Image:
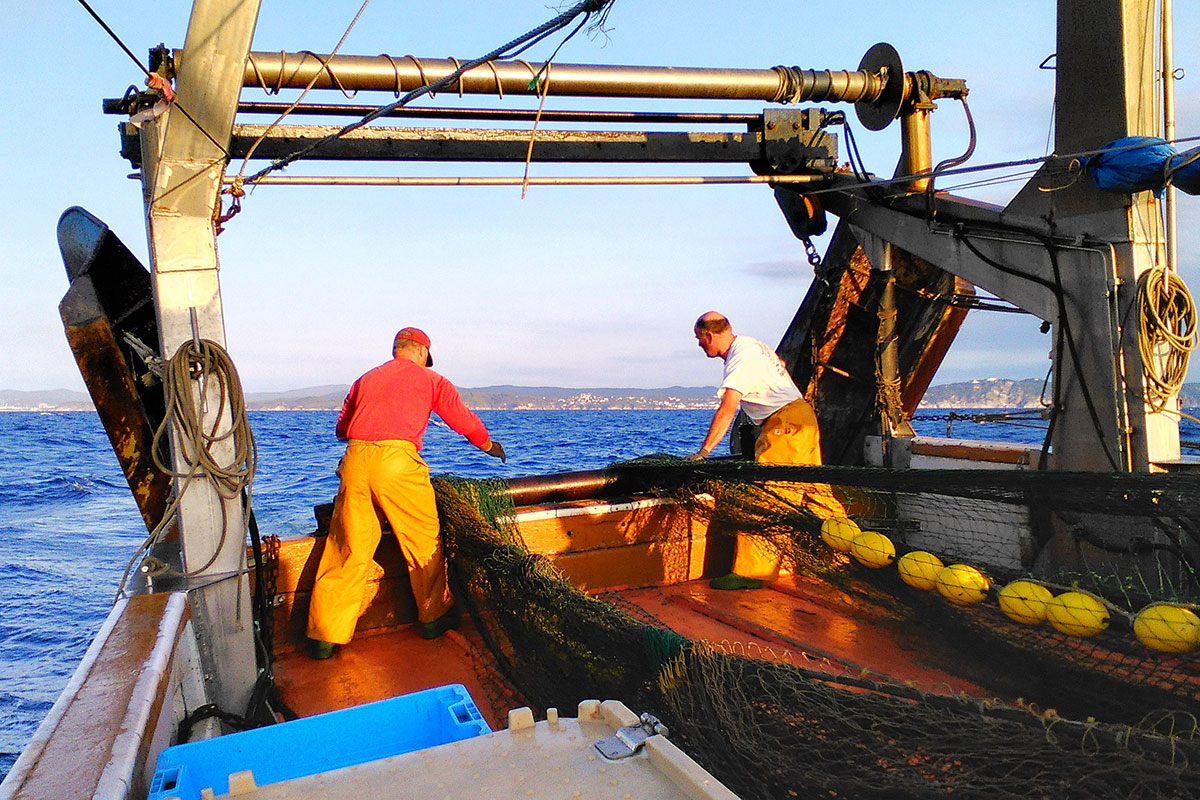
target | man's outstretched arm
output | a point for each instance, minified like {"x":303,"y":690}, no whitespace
{"x":721,"y":420}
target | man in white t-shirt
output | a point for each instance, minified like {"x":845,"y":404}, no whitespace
{"x":757,"y":381}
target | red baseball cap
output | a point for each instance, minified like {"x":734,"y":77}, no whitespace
{"x":414,"y":335}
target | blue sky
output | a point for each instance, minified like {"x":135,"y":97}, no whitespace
{"x":570,"y":286}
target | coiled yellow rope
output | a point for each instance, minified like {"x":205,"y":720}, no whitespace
{"x":1166,"y":334}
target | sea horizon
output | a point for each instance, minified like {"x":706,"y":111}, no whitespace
{"x":981,"y":393}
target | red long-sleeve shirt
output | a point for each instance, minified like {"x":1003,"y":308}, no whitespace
{"x":394,"y":400}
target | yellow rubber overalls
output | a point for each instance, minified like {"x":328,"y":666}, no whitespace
{"x":789,"y":436}
{"x":389,"y":476}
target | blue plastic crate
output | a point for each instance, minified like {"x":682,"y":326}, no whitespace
{"x":318,"y":744}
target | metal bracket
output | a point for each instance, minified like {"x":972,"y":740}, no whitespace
{"x":629,"y":739}
{"x":148,"y":356}
{"x":793,"y":140}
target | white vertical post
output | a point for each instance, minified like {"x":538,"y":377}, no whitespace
{"x":1167,"y":45}
{"x":182,"y":190}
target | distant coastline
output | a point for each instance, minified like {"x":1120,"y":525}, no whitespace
{"x":982,"y":393}
{"x":487,"y":398}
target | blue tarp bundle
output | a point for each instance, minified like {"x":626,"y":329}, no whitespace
{"x":1184,"y":170}
{"x":1132,"y":164}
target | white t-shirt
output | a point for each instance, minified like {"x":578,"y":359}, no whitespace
{"x":759,"y":374}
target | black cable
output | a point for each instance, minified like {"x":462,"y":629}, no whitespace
{"x":856,"y":161}
{"x":1190,"y":531}
{"x":261,"y":608}
{"x":1024,"y":162}
{"x":1064,"y":329}
{"x":975,"y":303}
{"x":954,"y":162}
{"x":931,"y":189}
{"x":207,"y":711}
{"x":1071,"y":347}
{"x":266,"y":698}
{"x":961,"y":235}
{"x":546,"y":35}
{"x":1177,"y":549}
{"x":112,"y":34}
{"x":1044,"y":455}
{"x":587,"y":7}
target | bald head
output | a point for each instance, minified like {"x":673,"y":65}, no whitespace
{"x":713,"y":322}
{"x":714,"y":334}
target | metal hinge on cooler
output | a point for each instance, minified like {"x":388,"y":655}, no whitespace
{"x":629,"y":739}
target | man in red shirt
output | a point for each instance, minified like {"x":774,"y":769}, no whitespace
{"x":383,"y":419}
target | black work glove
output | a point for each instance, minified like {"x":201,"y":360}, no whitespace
{"x":494,"y":449}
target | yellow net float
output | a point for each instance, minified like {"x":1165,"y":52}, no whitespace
{"x":962,"y":584}
{"x":1167,"y":627}
{"x":873,"y":549}
{"x":919,"y":569}
{"x":1077,"y":614}
{"x":1025,"y":601}
{"x":839,"y":533}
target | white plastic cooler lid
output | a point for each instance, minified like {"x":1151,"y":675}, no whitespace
{"x":555,"y":758}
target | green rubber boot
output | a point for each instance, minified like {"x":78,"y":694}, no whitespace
{"x":320,"y":650}
{"x":735,"y":581}
{"x":447,"y":621}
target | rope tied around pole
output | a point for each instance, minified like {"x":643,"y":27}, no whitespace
{"x":888,"y":394}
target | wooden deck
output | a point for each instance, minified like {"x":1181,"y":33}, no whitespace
{"x":653,"y":557}
{"x":390,"y":662}
{"x":806,"y":622}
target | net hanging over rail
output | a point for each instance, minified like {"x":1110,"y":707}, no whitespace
{"x":771,"y":725}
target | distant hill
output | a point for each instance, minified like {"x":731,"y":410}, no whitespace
{"x":486,"y":398}
{"x":50,"y":400}
{"x":314,"y":398}
{"x":508,"y":398}
{"x":986,"y":393}
{"x":496,"y":398}
{"x":1003,"y":393}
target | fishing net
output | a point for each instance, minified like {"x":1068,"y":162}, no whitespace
{"x":1074,"y":716}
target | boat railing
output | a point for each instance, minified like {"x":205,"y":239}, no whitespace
{"x":119,"y":709}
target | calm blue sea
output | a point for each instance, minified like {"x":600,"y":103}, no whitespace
{"x":68,"y":523}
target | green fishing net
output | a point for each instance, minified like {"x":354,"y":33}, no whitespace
{"x":1102,"y":716}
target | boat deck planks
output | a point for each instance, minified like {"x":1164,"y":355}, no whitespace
{"x":390,"y":662}
{"x":806,"y":622}
{"x":812,"y":624}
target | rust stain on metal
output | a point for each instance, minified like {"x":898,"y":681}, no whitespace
{"x":110,"y":385}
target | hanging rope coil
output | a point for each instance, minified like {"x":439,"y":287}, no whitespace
{"x":206,"y":362}
{"x":202,"y":433}
{"x":1166,"y":334}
